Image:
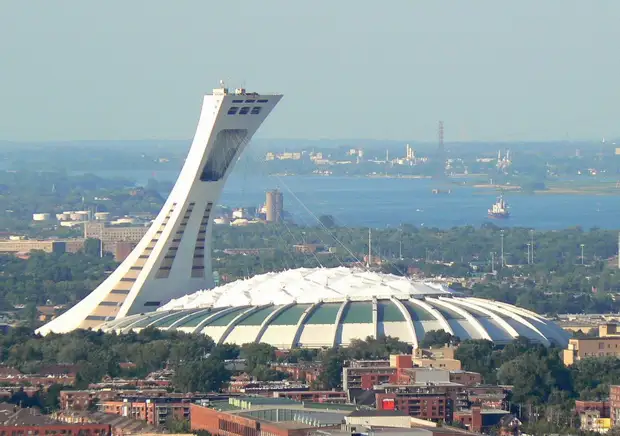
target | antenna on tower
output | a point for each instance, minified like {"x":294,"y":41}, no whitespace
{"x":440,"y":138}
{"x":441,"y":158}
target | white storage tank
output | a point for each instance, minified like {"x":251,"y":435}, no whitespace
{"x":222,"y":220}
{"x":79,"y":215}
{"x":102,"y":216}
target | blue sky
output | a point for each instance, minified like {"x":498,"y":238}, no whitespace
{"x":492,"y":70}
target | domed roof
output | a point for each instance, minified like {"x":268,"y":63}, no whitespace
{"x":307,"y":285}
{"x":328,"y":307}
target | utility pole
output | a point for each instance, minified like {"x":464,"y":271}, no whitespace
{"x":528,"y":253}
{"x":532,"y":242}
{"x":492,"y":261}
{"x":502,"y":247}
{"x":582,"y":245}
{"x":400,"y":246}
{"x":369,"y":247}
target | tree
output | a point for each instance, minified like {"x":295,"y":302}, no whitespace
{"x":535,"y":376}
{"x":434,"y":338}
{"x":92,"y":247}
{"x":207,"y":375}
{"x":257,"y":354}
{"x":331,"y":375}
{"x":477,"y":355}
{"x":51,"y":399}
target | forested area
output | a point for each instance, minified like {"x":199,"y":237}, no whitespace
{"x":198,"y":361}
{"x":58,"y":278}
{"x":537,"y":375}
{"x":558,"y":280}
{"x":25,"y":192}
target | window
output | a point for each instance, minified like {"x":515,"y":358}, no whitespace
{"x":237,"y":101}
{"x":601,"y":345}
{"x":256,"y":110}
{"x":262,"y":101}
{"x":225,"y":147}
{"x":244,"y":110}
{"x":233,"y":110}
{"x":250,"y":101}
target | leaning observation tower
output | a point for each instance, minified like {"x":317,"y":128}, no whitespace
{"x":174,"y":257}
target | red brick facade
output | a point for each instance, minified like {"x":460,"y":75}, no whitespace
{"x":64,"y":429}
{"x":417,"y":405}
{"x":603,"y":407}
{"x":228,"y":424}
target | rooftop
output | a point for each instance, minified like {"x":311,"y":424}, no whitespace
{"x":373,"y":412}
{"x":307,"y":285}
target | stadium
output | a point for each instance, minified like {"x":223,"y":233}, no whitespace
{"x":326,"y":307}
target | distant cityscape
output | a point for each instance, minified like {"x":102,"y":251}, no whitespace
{"x":120,"y":235}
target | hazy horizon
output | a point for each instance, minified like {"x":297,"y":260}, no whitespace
{"x":507,"y":72}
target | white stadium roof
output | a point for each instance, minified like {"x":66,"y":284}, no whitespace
{"x":328,"y":307}
{"x":307,"y":285}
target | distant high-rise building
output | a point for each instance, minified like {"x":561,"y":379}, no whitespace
{"x":274,"y":206}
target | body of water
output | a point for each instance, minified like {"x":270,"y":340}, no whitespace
{"x":385,"y":202}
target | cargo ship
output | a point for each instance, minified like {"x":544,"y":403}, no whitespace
{"x":499,"y":210}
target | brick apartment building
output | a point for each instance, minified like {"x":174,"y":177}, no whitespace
{"x":155,"y":410}
{"x":401,"y":369}
{"x":614,"y":405}
{"x":15,"y":421}
{"x":478,"y":419}
{"x":433,"y":401}
{"x":306,"y":372}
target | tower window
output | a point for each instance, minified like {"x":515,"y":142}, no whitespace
{"x":250,"y":101}
{"x":262,"y":101}
{"x":237,"y":101}
{"x":227,"y":144}
{"x":244,"y":110}
{"x":256,"y":110}
{"x":233,"y":110}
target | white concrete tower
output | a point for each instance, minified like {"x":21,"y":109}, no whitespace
{"x":174,"y":257}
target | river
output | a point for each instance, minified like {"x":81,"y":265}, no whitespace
{"x":389,"y":202}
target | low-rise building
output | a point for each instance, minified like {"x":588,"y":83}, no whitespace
{"x":119,"y":425}
{"x":267,"y":389}
{"x":614,"y":405}
{"x":15,"y":421}
{"x":478,"y":419}
{"x":602,"y":407}
{"x":607,"y":343}
{"x":28,"y":245}
{"x":155,"y":410}
{"x":305,"y":372}
{"x":425,"y":400}
{"x":591,"y":420}
{"x":266,"y":417}
{"x":313,"y":396}
{"x":45,"y":378}
{"x":442,"y":358}
{"x":407,"y":369}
